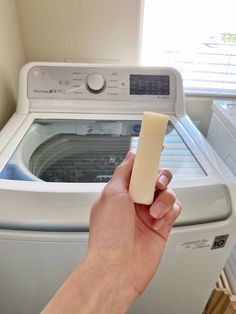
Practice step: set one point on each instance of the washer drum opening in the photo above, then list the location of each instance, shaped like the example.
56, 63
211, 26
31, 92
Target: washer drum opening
76, 158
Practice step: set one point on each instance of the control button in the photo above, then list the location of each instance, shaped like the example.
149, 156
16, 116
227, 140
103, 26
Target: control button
64, 83
95, 83
122, 84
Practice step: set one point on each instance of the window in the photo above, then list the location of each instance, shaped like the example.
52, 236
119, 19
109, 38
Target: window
198, 38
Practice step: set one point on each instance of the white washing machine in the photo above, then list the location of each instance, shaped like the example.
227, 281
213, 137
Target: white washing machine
222, 136
74, 123
222, 131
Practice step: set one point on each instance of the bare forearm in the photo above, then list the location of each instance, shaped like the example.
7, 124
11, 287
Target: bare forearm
89, 290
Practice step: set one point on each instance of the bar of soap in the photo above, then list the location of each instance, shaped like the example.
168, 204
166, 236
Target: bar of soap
146, 163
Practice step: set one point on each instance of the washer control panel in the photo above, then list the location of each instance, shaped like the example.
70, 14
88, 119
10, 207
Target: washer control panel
101, 83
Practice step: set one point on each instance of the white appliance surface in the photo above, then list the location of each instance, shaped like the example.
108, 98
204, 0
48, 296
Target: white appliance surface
222, 132
72, 116
226, 111
222, 136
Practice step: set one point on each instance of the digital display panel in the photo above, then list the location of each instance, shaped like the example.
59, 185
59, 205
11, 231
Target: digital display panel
149, 84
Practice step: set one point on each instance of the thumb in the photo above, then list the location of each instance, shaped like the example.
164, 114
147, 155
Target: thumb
123, 172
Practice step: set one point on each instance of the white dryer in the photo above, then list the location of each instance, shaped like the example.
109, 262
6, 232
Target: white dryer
222, 131
222, 136
73, 125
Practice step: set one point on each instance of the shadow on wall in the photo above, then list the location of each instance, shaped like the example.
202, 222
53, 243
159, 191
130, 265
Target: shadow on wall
7, 98
11, 58
199, 110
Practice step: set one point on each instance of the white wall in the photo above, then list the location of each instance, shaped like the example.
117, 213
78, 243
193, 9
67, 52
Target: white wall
91, 31
81, 30
11, 58
74, 30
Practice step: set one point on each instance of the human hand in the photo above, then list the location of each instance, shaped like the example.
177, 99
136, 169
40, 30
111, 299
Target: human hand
128, 239
126, 243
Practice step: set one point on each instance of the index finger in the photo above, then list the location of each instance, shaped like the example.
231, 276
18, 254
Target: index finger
122, 174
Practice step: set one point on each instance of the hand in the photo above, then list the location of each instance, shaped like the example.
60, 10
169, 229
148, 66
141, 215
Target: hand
128, 239
125, 247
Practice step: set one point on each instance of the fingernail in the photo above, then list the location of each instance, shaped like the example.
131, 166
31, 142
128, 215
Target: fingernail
158, 224
127, 156
163, 180
157, 210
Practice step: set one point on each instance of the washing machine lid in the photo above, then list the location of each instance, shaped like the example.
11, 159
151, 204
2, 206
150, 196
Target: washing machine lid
226, 112
88, 151
53, 206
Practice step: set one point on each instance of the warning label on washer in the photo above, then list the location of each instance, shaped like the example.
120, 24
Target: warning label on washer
196, 244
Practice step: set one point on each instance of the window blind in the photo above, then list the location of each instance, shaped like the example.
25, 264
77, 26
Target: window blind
198, 38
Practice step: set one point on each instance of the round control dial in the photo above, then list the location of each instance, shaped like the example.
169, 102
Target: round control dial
95, 83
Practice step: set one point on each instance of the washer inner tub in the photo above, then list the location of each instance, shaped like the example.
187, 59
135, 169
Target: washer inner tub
76, 158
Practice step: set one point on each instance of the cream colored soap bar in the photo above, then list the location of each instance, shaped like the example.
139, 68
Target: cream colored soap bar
144, 174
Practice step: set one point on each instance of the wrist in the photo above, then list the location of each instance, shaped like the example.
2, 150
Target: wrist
106, 290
